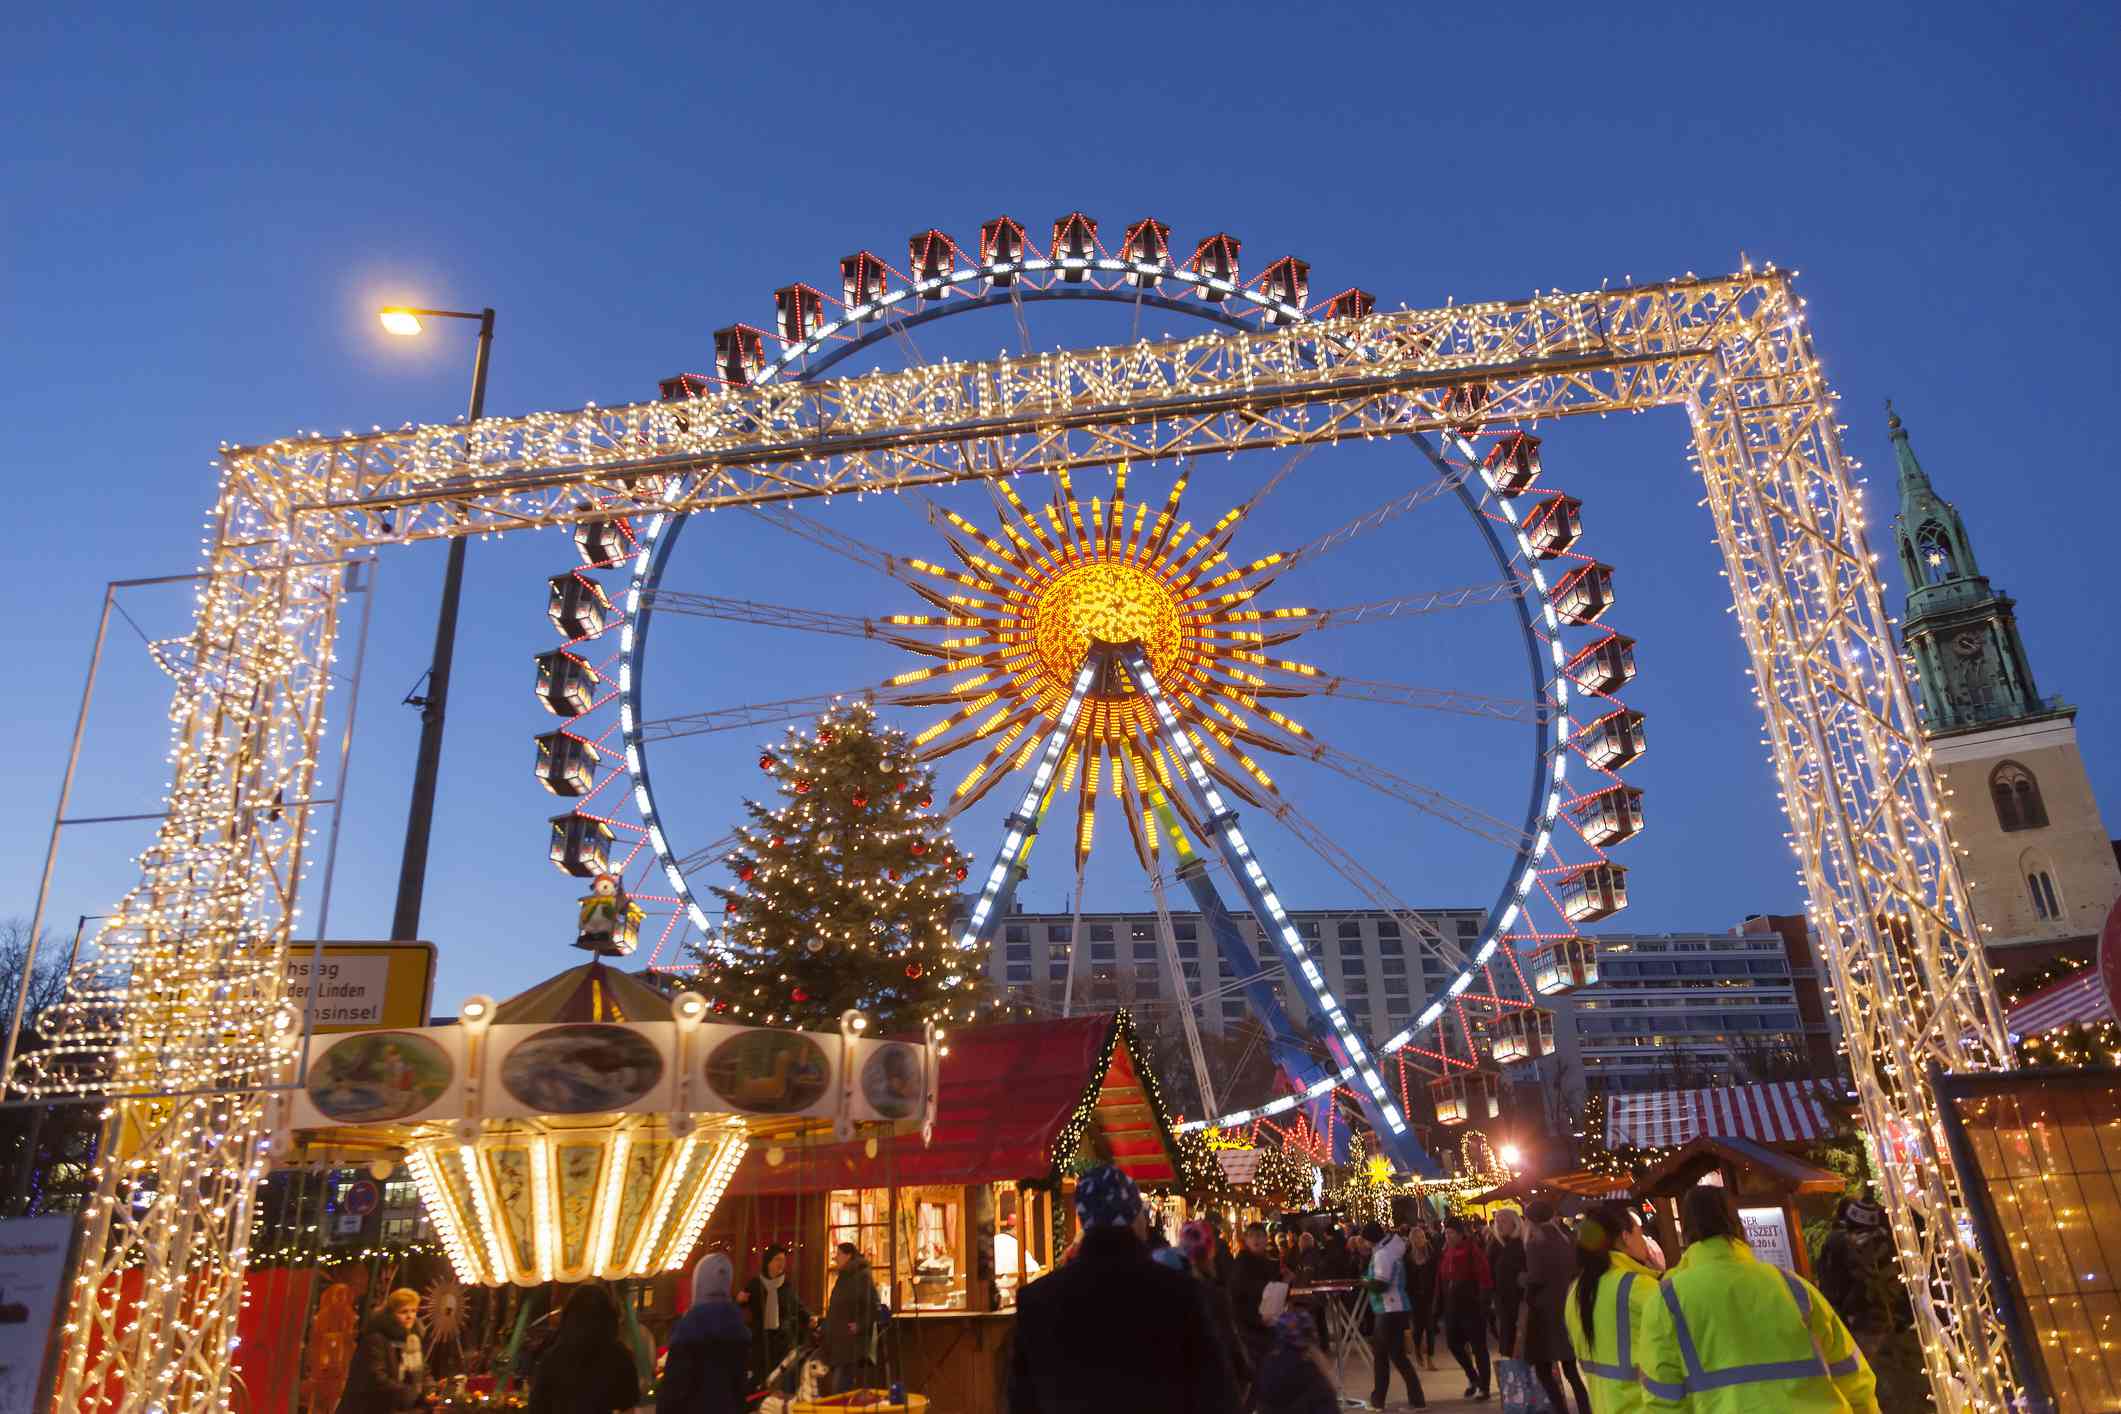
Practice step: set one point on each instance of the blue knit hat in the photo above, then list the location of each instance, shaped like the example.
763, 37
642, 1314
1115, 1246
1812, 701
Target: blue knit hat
1106, 1197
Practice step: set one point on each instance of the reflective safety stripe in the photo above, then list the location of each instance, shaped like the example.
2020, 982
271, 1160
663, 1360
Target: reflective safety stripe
1699, 1380
1624, 1370
1663, 1390
1846, 1366
1800, 1295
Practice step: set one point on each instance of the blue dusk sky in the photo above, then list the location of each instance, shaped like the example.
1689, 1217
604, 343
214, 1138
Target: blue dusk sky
206, 205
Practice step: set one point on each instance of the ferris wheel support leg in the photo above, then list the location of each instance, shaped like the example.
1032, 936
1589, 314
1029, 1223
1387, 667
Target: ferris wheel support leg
1348, 1049
1283, 1041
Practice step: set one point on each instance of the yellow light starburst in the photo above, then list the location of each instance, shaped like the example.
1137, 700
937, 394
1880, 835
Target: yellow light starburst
1053, 582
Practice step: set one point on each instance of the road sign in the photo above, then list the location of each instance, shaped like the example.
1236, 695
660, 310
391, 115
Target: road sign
363, 986
361, 1199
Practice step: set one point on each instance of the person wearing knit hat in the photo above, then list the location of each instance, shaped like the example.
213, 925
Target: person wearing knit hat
1296, 1378
1112, 1328
710, 1347
1856, 1270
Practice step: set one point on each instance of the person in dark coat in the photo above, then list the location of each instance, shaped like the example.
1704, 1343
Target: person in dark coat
1296, 1378
1114, 1330
586, 1371
850, 1321
1255, 1269
778, 1319
388, 1372
1196, 1244
1506, 1265
1549, 1268
709, 1348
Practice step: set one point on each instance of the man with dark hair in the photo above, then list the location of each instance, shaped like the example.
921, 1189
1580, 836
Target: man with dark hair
1113, 1330
1732, 1334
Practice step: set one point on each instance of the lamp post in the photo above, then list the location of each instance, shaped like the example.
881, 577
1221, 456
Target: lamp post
419, 819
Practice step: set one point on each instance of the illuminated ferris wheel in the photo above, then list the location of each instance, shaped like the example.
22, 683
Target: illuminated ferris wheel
1147, 642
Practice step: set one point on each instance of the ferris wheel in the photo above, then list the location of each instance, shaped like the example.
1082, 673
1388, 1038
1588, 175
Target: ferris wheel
1139, 641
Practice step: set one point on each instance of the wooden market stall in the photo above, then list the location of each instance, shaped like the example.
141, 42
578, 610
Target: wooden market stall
953, 1228
1766, 1182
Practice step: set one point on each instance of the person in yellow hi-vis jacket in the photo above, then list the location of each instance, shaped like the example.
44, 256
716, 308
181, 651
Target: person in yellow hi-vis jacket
1730, 1334
1614, 1294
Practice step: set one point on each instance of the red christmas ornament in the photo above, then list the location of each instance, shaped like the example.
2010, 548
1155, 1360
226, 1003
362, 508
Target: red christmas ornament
891, 873
913, 970
860, 801
919, 848
961, 873
720, 1004
824, 736
766, 761
744, 872
800, 995
802, 787
775, 841
926, 801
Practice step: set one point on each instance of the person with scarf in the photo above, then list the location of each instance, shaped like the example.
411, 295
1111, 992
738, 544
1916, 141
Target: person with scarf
704, 1372
587, 1370
388, 1373
1296, 1377
779, 1321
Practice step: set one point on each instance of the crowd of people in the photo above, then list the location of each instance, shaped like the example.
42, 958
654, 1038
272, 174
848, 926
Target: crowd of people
1587, 1317
1588, 1314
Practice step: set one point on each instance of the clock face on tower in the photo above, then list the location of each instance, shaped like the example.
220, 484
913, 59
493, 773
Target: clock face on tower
1968, 645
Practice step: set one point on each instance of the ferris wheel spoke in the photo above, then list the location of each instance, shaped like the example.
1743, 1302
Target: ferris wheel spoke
798, 619
748, 714
1345, 864
1431, 699
713, 853
1294, 621
838, 541
1428, 799
1379, 516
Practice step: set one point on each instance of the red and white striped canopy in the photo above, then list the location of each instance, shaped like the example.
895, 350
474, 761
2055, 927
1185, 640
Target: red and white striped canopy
1778, 1112
2081, 996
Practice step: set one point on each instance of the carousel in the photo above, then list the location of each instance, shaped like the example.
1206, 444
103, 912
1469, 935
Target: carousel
586, 1129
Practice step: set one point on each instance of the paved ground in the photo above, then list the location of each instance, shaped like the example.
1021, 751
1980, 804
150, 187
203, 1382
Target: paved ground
1444, 1386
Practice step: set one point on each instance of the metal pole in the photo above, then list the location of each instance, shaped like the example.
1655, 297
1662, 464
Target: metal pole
353, 705
419, 821
51, 848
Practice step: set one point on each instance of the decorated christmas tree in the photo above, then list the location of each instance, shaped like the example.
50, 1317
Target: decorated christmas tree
846, 889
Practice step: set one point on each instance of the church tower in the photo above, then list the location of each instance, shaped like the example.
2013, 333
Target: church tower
2036, 853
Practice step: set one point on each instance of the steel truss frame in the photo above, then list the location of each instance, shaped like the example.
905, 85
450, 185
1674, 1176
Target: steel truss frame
190, 987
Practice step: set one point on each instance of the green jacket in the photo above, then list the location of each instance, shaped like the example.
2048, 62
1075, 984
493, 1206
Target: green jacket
1610, 1358
1731, 1334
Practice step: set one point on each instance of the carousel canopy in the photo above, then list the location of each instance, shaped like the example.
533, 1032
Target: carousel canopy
1008, 1097
591, 992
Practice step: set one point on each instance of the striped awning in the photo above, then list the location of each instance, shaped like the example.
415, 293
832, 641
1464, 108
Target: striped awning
2081, 996
1779, 1112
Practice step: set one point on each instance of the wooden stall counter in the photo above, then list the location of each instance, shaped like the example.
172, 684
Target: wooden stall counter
959, 1359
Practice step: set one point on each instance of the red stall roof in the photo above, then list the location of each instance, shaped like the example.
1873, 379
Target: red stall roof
1006, 1094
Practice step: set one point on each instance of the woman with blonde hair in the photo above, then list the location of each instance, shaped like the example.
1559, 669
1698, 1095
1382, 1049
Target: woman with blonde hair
389, 1370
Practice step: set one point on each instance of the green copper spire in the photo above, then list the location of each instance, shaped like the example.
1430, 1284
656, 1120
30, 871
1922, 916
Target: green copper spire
1970, 664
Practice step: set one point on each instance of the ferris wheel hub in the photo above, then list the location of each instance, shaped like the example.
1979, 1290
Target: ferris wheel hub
1104, 602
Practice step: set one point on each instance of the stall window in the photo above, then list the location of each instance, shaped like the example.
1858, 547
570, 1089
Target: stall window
932, 1264
861, 1216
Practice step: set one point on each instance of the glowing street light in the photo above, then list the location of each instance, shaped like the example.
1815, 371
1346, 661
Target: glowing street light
402, 322
1509, 1154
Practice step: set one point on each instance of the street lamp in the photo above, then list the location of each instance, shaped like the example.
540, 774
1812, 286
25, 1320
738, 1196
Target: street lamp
419, 820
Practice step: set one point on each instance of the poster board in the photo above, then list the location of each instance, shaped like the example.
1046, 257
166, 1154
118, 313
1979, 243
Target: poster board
1767, 1232
33, 1255
362, 986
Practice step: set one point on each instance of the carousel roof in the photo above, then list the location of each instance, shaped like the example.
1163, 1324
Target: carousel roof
591, 992
1006, 1098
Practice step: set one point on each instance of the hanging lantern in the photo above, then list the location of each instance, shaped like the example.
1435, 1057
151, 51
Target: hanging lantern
567, 765
1561, 965
566, 685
